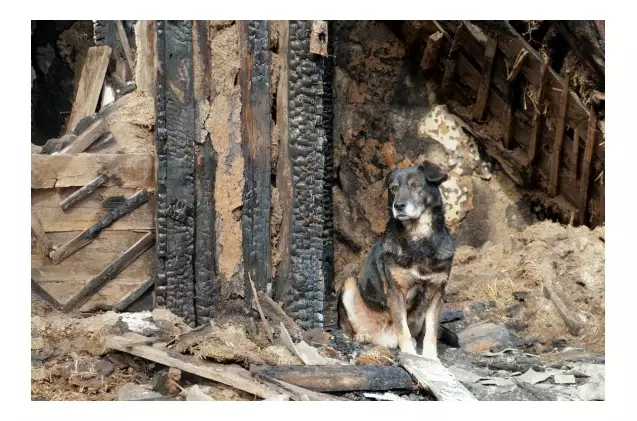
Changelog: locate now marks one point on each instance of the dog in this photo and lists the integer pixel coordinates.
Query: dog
(397, 299)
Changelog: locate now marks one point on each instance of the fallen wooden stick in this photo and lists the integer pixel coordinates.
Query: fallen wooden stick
(83, 192)
(266, 325)
(339, 378)
(432, 375)
(273, 311)
(573, 325)
(86, 138)
(296, 392)
(231, 375)
(306, 353)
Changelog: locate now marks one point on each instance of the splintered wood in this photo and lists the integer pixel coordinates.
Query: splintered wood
(306, 353)
(318, 38)
(430, 56)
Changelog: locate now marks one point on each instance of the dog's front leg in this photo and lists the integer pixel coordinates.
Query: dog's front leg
(398, 311)
(432, 318)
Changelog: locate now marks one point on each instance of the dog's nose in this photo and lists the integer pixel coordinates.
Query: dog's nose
(399, 207)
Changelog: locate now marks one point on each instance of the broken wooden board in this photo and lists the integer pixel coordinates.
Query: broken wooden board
(306, 353)
(430, 56)
(86, 138)
(44, 243)
(339, 378)
(78, 170)
(45, 205)
(90, 85)
(230, 374)
(433, 376)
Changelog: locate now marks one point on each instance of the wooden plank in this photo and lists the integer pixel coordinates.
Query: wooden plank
(256, 113)
(573, 325)
(86, 138)
(517, 65)
(146, 59)
(128, 53)
(306, 353)
(44, 244)
(509, 114)
(42, 293)
(435, 377)
(297, 393)
(90, 85)
(231, 375)
(134, 295)
(110, 272)
(78, 170)
(92, 232)
(538, 115)
(430, 56)
(318, 37)
(559, 138)
(45, 205)
(586, 166)
(485, 83)
(450, 66)
(82, 193)
(575, 156)
(339, 378)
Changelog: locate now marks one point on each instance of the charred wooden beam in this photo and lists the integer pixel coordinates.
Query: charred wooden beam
(207, 286)
(586, 166)
(450, 66)
(327, 121)
(538, 115)
(83, 192)
(256, 111)
(44, 243)
(301, 282)
(134, 295)
(430, 56)
(513, 90)
(109, 272)
(339, 378)
(106, 34)
(559, 138)
(37, 289)
(485, 83)
(517, 65)
(575, 156)
(94, 230)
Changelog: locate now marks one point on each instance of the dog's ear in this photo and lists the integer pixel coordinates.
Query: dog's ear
(386, 183)
(433, 173)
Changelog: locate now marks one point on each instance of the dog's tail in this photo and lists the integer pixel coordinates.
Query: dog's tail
(448, 337)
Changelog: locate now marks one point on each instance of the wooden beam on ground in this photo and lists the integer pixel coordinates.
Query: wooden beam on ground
(318, 37)
(230, 375)
(78, 170)
(109, 272)
(485, 83)
(573, 325)
(586, 166)
(339, 378)
(450, 66)
(432, 375)
(90, 85)
(128, 53)
(134, 295)
(256, 115)
(297, 393)
(430, 56)
(517, 65)
(86, 139)
(83, 192)
(91, 233)
(44, 244)
(538, 115)
(42, 293)
(559, 138)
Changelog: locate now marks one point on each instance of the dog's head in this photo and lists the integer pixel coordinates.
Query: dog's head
(414, 190)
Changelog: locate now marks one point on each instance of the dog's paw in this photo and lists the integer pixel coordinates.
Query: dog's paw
(430, 353)
(363, 338)
(408, 348)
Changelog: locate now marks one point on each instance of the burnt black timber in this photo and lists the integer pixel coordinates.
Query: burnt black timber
(485, 83)
(207, 287)
(303, 285)
(583, 37)
(339, 378)
(175, 137)
(586, 167)
(559, 139)
(94, 230)
(134, 295)
(538, 115)
(37, 289)
(254, 79)
(450, 66)
(83, 192)
(109, 272)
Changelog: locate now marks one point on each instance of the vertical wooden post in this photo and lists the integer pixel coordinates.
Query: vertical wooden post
(591, 137)
(538, 118)
(559, 137)
(575, 156)
(450, 66)
(485, 82)
(430, 56)
(254, 79)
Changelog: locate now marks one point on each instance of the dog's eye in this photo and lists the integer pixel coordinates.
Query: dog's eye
(413, 185)
(393, 188)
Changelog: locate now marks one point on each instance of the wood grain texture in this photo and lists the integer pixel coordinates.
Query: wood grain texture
(485, 83)
(90, 85)
(559, 139)
(585, 175)
(134, 295)
(43, 241)
(78, 170)
(81, 193)
(146, 56)
(86, 138)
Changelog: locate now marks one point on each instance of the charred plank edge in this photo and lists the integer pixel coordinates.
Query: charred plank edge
(559, 138)
(450, 66)
(538, 115)
(207, 284)
(586, 165)
(318, 44)
(134, 295)
(430, 56)
(485, 83)
(94, 230)
(517, 65)
(83, 192)
(44, 242)
(327, 121)
(175, 137)
(128, 54)
(109, 273)
(339, 378)
(254, 78)
(37, 289)
(303, 292)
(297, 392)
(573, 325)
(87, 138)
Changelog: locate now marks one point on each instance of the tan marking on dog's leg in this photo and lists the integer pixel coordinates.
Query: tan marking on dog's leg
(396, 304)
(432, 318)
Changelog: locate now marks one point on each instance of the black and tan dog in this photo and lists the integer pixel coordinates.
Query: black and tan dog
(397, 299)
